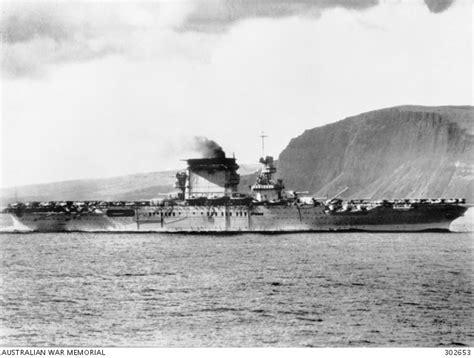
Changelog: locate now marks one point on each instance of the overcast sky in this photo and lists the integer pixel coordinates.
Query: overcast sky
(105, 89)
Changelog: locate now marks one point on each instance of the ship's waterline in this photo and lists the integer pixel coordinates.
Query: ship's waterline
(270, 222)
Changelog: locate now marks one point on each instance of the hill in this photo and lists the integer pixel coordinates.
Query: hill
(129, 187)
(400, 152)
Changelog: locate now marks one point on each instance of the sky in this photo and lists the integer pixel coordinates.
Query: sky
(101, 89)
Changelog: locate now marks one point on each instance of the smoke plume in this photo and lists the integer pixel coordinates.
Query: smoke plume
(208, 148)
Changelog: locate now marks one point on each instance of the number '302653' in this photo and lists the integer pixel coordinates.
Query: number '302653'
(457, 352)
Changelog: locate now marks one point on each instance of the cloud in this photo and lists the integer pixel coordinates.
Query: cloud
(218, 15)
(39, 35)
(437, 6)
(24, 25)
(31, 58)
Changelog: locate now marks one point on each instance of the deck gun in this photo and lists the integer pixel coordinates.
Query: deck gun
(334, 197)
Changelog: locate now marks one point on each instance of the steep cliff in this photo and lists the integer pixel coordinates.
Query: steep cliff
(401, 152)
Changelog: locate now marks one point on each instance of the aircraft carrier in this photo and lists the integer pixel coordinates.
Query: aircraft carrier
(207, 200)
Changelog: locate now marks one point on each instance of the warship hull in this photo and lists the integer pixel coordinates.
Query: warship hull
(234, 219)
(208, 201)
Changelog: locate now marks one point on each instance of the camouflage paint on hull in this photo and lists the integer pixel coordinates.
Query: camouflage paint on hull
(255, 218)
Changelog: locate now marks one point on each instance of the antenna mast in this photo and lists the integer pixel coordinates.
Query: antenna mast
(263, 136)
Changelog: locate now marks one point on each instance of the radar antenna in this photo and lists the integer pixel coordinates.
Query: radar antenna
(263, 136)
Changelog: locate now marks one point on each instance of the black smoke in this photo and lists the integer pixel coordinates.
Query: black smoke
(208, 148)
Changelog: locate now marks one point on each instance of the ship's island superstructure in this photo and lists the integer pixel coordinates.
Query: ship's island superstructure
(208, 201)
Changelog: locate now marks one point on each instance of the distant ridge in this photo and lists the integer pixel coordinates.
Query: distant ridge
(139, 186)
(400, 152)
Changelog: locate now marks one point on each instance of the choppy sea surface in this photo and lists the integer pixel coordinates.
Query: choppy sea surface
(292, 290)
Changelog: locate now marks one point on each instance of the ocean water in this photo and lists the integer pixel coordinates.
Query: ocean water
(289, 290)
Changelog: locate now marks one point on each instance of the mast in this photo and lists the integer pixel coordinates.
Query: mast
(266, 188)
(263, 136)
